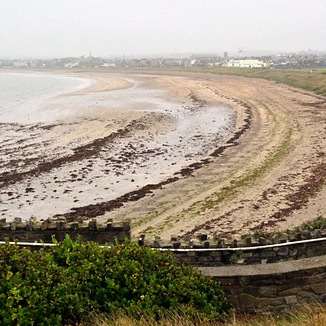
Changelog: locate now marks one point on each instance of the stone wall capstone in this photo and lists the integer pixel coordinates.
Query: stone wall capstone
(32, 230)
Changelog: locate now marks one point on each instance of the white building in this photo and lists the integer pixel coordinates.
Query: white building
(246, 63)
(20, 64)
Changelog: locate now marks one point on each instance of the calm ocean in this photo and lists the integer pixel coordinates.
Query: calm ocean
(22, 93)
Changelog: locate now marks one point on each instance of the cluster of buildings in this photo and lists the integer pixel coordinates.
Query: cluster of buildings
(288, 60)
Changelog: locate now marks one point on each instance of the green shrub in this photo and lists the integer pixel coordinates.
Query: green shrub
(70, 282)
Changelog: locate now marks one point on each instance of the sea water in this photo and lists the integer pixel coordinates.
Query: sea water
(23, 94)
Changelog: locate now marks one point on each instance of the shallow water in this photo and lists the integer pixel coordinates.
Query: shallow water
(22, 94)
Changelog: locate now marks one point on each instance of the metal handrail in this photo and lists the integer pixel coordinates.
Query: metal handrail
(289, 243)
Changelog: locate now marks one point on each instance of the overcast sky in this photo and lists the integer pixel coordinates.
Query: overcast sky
(61, 28)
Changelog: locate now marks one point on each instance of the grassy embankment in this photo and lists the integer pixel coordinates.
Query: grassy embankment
(310, 80)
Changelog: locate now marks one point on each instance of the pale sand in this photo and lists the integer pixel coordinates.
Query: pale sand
(113, 138)
(271, 177)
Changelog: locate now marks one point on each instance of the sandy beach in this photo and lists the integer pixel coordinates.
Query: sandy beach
(177, 154)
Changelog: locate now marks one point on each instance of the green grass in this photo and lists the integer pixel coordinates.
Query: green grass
(314, 81)
(307, 316)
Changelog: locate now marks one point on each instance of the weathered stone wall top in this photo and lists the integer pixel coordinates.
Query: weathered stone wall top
(34, 230)
(263, 269)
(202, 241)
(264, 249)
(267, 254)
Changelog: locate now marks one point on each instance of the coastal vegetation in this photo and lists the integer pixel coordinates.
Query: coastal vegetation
(306, 316)
(307, 79)
(70, 282)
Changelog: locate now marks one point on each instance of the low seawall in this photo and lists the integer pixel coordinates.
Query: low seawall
(276, 287)
(272, 274)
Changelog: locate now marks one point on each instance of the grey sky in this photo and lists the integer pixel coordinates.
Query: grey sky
(60, 28)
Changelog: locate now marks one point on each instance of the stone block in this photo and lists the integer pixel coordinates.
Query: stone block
(297, 236)
(101, 227)
(305, 235)
(293, 252)
(61, 218)
(227, 282)
(234, 243)
(270, 303)
(247, 254)
(316, 278)
(233, 259)
(252, 290)
(60, 225)
(267, 291)
(126, 225)
(319, 288)
(117, 227)
(37, 226)
(174, 237)
(52, 226)
(74, 226)
(196, 244)
(282, 251)
(244, 280)
(268, 253)
(248, 241)
(20, 226)
(262, 241)
(166, 246)
(221, 243)
(92, 225)
(176, 245)
(206, 244)
(248, 301)
(291, 300)
(290, 291)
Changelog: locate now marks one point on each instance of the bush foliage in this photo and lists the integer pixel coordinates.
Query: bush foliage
(70, 282)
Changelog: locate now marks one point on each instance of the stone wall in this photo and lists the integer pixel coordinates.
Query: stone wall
(274, 273)
(269, 274)
(276, 287)
(33, 230)
(265, 250)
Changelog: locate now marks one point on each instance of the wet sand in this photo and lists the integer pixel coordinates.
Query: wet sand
(115, 137)
(155, 149)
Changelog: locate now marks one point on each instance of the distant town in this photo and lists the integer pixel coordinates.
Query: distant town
(298, 60)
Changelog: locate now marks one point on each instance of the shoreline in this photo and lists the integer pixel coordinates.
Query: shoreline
(136, 135)
(266, 172)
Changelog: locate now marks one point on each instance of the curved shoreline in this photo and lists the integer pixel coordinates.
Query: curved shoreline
(274, 179)
(133, 134)
(268, 175)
